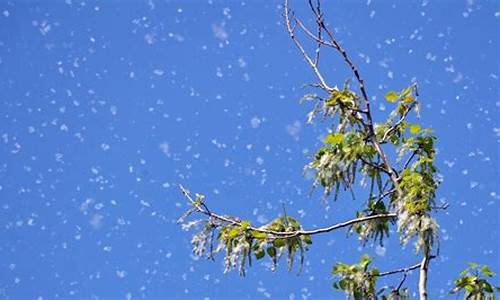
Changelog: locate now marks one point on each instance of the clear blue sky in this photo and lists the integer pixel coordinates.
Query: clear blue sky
(106, 106)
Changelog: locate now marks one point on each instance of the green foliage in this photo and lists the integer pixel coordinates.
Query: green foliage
(405, 96)
(396, 294)
(418, 184)
(241, 241)
(350, 150)
(375, 229)
(473, 282)
(336, 163)
(356, 280)
(391, 96)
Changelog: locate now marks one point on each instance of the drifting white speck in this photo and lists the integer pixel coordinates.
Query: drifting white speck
(150, 38)
(450, 164)
(294, 129)
(255, 122)
(261, 219)
(220, 32)
(96, 221)
(121, 273)
(218, 73)
(165, 148)
(241, 62)
(159, 72)
(380, 251)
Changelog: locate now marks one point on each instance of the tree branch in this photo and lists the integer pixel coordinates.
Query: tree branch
(202, 208)
(399, 122)
(312, 64)
(402, 270)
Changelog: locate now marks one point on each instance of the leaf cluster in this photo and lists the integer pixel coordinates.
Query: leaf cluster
(356, 280)
(241, 242)
(473, 282)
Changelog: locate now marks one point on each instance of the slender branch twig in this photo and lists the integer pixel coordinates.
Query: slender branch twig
(291, 32)
(398, 123)
(373, 165)
(407, 163)
(402, 270)
(283, 234)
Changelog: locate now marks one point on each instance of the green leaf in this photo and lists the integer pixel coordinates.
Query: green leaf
(406, 92)
(487, 287)
(392, 96)
(245, 224)
(469, 288)
(278, 243)
(233, 233)
(271, 251)
(415, 128)
(334, 139)
(307, 239)
(408, 99)
(486, 271)
(259, 235)
(365, 261)
(342, 284)
(259, 253)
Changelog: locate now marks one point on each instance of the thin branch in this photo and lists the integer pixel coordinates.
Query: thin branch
(314, 37)
(407, 163)
(399, 122)
(291, 32)
(283, 234)
(402, 270)
(442, 207)
(373, 165)
(402, 281)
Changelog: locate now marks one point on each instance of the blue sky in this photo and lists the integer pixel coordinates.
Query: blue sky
(107, 106)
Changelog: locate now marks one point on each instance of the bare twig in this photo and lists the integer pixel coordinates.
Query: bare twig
(402, 270)
(407, 163)
(314, 66)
